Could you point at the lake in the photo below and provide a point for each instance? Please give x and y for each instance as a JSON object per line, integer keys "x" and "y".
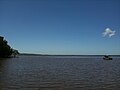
{"x": 60, "y": 73}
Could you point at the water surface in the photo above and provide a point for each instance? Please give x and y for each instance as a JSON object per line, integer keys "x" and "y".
{"x": 59, "y": 73}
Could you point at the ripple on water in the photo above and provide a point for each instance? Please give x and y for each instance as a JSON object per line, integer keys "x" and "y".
{"x": 47, "y": 73}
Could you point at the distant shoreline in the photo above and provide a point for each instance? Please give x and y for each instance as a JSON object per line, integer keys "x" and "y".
{"x": 59, "y": 55}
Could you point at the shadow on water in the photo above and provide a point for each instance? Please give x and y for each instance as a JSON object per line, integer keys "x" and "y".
{"x": 2, "y": 62}
{"x": 3, "y": 65}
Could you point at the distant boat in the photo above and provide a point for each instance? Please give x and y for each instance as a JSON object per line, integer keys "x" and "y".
{"x": 107, "y": 57}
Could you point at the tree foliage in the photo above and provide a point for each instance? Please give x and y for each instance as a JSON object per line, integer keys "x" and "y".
{"x": 5, "y": 49}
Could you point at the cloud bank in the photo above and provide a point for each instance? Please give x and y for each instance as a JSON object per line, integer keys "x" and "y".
{"x": 108, "y": 32}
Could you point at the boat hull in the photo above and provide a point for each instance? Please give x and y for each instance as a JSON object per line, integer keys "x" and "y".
{"x": 107, "y": 58}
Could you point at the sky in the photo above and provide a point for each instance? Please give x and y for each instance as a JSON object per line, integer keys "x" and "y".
{"x": 65, "y": 27}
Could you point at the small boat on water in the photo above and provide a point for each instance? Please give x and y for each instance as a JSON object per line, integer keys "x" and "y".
{"x": 107, "y": 57}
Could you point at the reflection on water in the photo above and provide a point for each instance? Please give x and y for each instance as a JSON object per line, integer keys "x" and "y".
{"x": 59, "y": 73}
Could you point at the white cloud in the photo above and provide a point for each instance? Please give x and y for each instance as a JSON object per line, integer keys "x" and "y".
{"x": 108, "y": 32}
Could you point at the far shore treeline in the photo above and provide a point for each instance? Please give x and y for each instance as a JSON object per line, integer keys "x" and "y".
{"x": 5, "y": 49}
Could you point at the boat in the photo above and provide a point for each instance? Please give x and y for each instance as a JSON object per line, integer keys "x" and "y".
{"x": 107, "y": 57}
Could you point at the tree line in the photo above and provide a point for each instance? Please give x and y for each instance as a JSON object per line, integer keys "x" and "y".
{"x": 5, "y": 49}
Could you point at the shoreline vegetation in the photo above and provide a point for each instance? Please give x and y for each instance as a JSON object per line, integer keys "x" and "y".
{"x": 5, "y": 50}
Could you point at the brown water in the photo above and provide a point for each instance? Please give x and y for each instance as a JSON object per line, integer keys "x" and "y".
{"x": 59, "y": 73}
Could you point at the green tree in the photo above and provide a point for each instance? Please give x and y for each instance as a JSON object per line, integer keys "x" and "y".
{"x": 5, "y": 49}
{"x": 15, "y": 52}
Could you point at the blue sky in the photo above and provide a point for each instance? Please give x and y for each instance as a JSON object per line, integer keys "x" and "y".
{"x": 61, "y": 26}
